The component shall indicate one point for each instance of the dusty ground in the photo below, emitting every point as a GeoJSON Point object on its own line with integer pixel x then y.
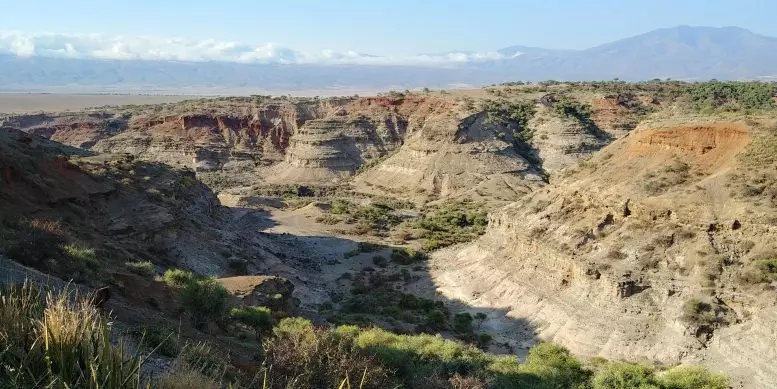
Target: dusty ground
{"type": "Point", "coordinates": [49, 102]}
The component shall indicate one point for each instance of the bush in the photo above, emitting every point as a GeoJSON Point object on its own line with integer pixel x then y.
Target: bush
{"type": "Point", "coordinates": [693, 377]}
{"type": "Point", "coordinates": [768, 267]}
{"type": "Point", "coordinates": [483, 341]}
{"type": "Point", "coordinates": [462, 323]}
{"type": "Point", "coordinates": [699, 313]}
{"type": "Point", "coordinates": [178, 278]}
{"type": "Point", "coordinates": [315, 358]}
{"type": "Point", "coordinates": [406, 256]}
{"type": "Point", "coordinates": [731, 96]}
{"type": "Point", "coordinates": [204, 299]}
{"type": "Point", "coordinates": [625, 376]}
{"type": "Point", "coordinates": [59, 341]}
{"type": "Point", "coordinates": [379, 261]}
{"type": "Point", "coordinates": [82, 255]}
{"type": "Point", "coordinates": [514, 117]}
{"type": "Point", "coordinates": [556, 367]}
{"type": "Point", "coordinates": [260, 319]}
{"type": "Point", "coordinates": [163, 340]}
{"type": "Point", "coordinates": [141, 268]}
{"type": "Point", "coordinates": [436, 320]}
{"type": "Point", "coordinates": [455, 223]}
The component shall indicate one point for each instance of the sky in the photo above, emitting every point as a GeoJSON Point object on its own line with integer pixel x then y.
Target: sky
{"type": "Point", "coordinates": [343, 29]}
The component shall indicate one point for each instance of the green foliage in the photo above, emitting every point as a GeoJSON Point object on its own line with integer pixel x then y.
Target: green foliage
{"type": "Point", "coordinates": [699, 313]}
{"type": "Point", "coordinates": [141, 268]}
{"type": "Point", "coordinates": [178, 278]}
{"type": "Point", "coordinates": [407, 256]}
{"type": "Point", "coordinates": [204, 299]}
{"type": "Point", "coordinates": [341, 207]}
{"type": "Point", "coordinates": [380, 261]}
{"type": "Point", "coordinates": [462, 323]}
{"type": "Point", "coordinates": [301, 356]}
{"type": "Point", "coordinates": [164, 340]}
{"type": "Point", "coordinates": [378, 215]}
{"type": "Point", "coordinates": [59, 341]}
{"type": "Point", "coordinates": [693, 377]}
{"type": "Point", "coordinates": [82, 255]}
{"type": "Point", "coordinates": [731, 96]}
{"type": "Point", "coordinates": [513, 117]}
{"type": "Point", "coordinates": [625, 376]}
{"type": "Point", "coordinates": [480, 317]}
{"type": "Point", "coordinates": [768, 267]}
{"type": "Point", "coordinates": [260, 319]}
{"type": "Point", "coordinates": [455, 223]}
{"type": "Point", "coordinates": [483, 341]}
{"type": "Point", "coordinates": [566, 106]}
{"type": "Point", "coordinates": [436, 320]}
{"type": "Point", "coordinates": [555, 367]}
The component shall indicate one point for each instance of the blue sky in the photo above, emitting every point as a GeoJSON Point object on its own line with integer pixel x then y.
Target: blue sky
{"type": "Point", "coordinates": [385, 27]}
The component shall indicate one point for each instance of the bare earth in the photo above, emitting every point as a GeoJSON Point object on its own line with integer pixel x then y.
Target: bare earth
{"type": "Point", "coordinates": [45, 102]}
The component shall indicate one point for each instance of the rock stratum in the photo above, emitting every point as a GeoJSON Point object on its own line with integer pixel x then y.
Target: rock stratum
{"type": "Point", "coordinates": [635, 234]}
{"type": "Point", "coordinates": [606, 259]}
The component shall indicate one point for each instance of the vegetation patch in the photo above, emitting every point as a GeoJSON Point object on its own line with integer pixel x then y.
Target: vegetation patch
{"type": "Point", "coordinates": [141, 268]}
{"type": "Point", "coordinates": [454, 223]}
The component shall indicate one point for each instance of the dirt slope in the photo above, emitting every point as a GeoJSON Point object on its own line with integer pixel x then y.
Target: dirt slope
{"type": "Point", "coordinates": [608, 260]}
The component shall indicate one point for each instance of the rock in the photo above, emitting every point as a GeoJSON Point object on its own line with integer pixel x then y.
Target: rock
{"type": "Point", "coordinates": [273, 292]}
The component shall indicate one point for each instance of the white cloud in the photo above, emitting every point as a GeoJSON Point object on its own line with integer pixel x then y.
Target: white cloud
{"type": "Point", "coordinates": [100, 46]}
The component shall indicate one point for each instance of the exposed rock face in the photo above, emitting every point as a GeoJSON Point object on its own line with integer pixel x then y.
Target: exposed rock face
{"type": "Point", "coordinates": [328, 149]}
{"type": "Point", "coordinates": [273, 292]}
{"type": "Point", "coordinates": [605, 261]}
{"type": "Point", "coordinates": [448, 154]}
{"type": "Point", "coordinates": [138, 210]}
{"type": "Point", "coordinates": [442, 149]}
{"type": "Point", "coordinates": [562, 142]}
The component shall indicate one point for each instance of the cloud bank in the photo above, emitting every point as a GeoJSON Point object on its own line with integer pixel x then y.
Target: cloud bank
{"type": "Point", "coordinates": [98, 46]}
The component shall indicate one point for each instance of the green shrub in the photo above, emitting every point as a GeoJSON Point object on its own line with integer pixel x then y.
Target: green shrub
{"type": "Point", "coordinates": [406, 256]}
{"type": "Point", "coordinates": [379, 261]}
{"type": "Point", "coordinates": [699, 313]}
{"type": "Point", "coordinates": [483, 341]}
{"type": "Point", "coordinates": [556, 367]}
{"type": "Point", "coordinates": [164, 340]}
{"type": "Point", "coordinates": [178, 278]}
{"type": "Point", "coordinates": [514, 117]}
{"type": "Point", "coordinates": [204, 299]}
{"type": "Point", "coordinates": [768, 267]}
{"type": "Point", "coordinates": [436, 320]}
{"type": "Point", "coordinates": [259, 319]}
{"type": "Point", "coordinates": [306, 357]}
{"type": "Point", "coordinates": [462, 323]}
{"type": "Point", "coordinates": [59, 341]}
{"type": "Point", "coordinates": [341, 207]}
{"type": "Point", "coordinates": [82, 255]}
{"type": "Point", "coordinates": [693, 377]}
{"type": "Point", "coordinates": [452, 224]}
{"type": "Point", "coordinates": [367, 247]}
{"type": "Point", "coordinates": [141, 268]}
{"type": "Point", "coordinates": [731, 96]}
{"type": "Point", "coordinates": [625, 376]}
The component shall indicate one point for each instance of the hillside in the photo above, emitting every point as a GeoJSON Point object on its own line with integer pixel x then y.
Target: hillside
{"type": "Point", "coordinates": [619, 221]}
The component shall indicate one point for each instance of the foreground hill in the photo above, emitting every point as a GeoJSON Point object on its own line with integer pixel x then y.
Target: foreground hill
{"type": "Point", "coordinates": [633, 222]}
{"type": "Point", "coordinates": [661, 246]}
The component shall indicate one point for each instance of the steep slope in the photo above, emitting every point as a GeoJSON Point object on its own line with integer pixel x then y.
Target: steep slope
{"type": "Point", "coordinates": [449, 152]}
{"type": "Point", "coordinates": [655, 249]}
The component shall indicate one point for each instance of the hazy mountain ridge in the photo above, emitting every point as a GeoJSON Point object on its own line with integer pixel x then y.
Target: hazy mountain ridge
{"type": "Point", "coordinates": [681, 52]}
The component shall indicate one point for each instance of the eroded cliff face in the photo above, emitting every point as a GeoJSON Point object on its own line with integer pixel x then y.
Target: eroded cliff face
{"type": "Point", "coordinates": [645, 251]}
{"type": "Point", "coordinates": [429, 146]}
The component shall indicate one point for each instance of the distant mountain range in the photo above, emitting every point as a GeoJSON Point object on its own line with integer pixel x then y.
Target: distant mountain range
{"type": "Point", "coordinates": [692, 53]}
